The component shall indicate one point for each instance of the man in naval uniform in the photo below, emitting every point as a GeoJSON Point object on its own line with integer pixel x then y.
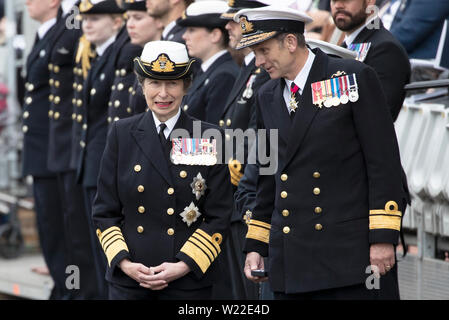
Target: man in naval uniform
{"type": "Point", "coordinates": [35, 129]}
{"type": "Point", "coordinates": [332, 211]}
{"type": "Point", "coordinates": [76, 229]}
{"type": "Point", "coordinates": [376, 47]}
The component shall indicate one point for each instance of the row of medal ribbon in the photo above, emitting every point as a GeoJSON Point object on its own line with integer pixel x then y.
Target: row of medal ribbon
{"type": "Point", "coordinates": [191, 151]}
{"type": "Point", "coordinates": [335, 91]}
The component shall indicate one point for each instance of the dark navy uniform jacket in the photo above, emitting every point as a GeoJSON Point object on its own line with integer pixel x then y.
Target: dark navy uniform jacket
{"type": "Point", "coordinates": [136, 98]}
{"type": "Point", "coordinates": [389, 59]}
{"type": "Point", "coordinates": [207, 97]}
{"type": "Point", "coordinates": [61, 96]}
{"type": "Point", "coordinates": [175, 34]}
{"type": "Point", "coordinates": [35, 110]}
{"type": "Point", "coordinates": [119, 102]}
{"type": "Point", "coordinates": [239, 111]}
{"type": "Point", "coordinates": [141, 195]}
{"type": "Point", "coordinates": [78, 106]}
{"type": "Point", "coordinates": [337, 188]}
{"type": "Point", "coordinates": [96, 94]}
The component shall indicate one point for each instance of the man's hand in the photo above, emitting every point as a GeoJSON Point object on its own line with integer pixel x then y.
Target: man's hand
{"type": "Point", "coordinates": [164, 273]}
{"type": "Point", "coordinates": [254, 261]}
{"type": "Point", "coordinates": [382, 257]}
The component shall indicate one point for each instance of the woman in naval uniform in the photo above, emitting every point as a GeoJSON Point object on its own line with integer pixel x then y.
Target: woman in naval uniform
{"type": "Point", "coordinates": [160, 224]}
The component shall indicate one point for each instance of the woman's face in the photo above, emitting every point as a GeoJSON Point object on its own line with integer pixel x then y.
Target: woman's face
{"type": "Point", "coordinates": [98, 28]}
{"type": "Point", "coordinates": [163, 97]}
{"type": "Point", "coordinates": [198, 41]}
{"type": "Point", "coordinates": [142, 28]}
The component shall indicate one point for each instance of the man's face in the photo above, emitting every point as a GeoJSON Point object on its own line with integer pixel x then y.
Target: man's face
{"type": "Point", "coordinates": [274, 57]}
{"type": "Point", "coordinates": [235, 33]}
{"type": "Point", "coordinates": [158, 8]}
{"type": "Point", "coordinates": [38, 9]}
{"type": "Point", "coordinates": [349, 14]}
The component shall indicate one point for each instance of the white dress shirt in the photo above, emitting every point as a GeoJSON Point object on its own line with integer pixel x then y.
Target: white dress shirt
{"type": "Point", "coordinates": [43, 28]}
{"type": "Point", "coordinates": [206, 64]}
{"type": "Point", "coordinates": [300, 79]}
{"type": "Point", "coordinates": [170, 123]}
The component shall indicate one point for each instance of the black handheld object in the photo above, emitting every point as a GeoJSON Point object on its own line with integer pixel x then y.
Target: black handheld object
{"type": "Point", "coordinates": [259, 273]}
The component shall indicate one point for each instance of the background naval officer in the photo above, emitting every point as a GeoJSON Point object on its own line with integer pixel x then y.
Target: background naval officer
{"type": "Point", "coordinates": [375, 46]}
{"type": "Point", "coordinates": [47, 200]}
{"type": "Point", "coordinates": [77, 237]}
{"type": "Point", "coordinates": [239, 113]}
{"type": "Point", "coordinates": [102, 24]}
{"type": "Point", "coordinates": [333, 208]}
{"type": "Point", "coordinates": [142, 28]}
{"type": "Point", "coordinates": [207, 39]}
{"type": "Point", "coordinates": [161, 224]}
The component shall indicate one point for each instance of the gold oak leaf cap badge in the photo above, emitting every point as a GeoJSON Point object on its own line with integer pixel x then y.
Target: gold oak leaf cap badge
{"type": "Point", "coordinates": [163, 64]}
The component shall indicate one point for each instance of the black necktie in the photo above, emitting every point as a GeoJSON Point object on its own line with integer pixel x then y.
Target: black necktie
{"type": "Point", "coordinates": [294, 100]}
{"type": "Point", "coordinates": [162, 138]}
{"type": "Point", "coordinates": [344, 45]}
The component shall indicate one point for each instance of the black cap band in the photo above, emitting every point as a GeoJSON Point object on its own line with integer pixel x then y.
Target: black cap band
{"type": "Point", "coordinates": [137, 6]}
{"type": "Point", "coordinates": [275, 25]}
{"type": "Point", "coordinates": [211, 20]}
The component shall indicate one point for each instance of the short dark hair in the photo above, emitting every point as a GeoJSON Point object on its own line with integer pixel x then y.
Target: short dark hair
{"type": "Point", "coordinates": [299, 37]}
{"type": "Point", "coordinates": [187, 81]}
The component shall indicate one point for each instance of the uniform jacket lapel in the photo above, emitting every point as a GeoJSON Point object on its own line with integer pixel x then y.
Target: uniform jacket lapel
{"type": "Point", "coordinates": [366, 34]}
{"type": "Point", "coordinates": [278, 112]}
{"type": "Point", "coordinates": [239, 84]}
{"type": "Point", "coordinates": [147, 139]}
{"type": "Point", "coordinates": [307, 111]}
{"type": "Point", "coordinates": [40, 45]}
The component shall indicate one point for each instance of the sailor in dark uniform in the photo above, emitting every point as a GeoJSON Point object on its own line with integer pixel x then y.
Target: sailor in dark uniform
{"type": "Point", "coordinates": [239, 113]}
{"type": "Point", "coordinates": [207, 39]}
{"type": "Point", "coordinates": [76, 229]}
{"type": "Point", "coordinates": [35, 129]}
{"type": "Point", "coordinates": [332, 209]}
{"type": "Point", "coordinates": [142, 28]}
{"type": "Point", "coordinates": [169, 12]}
{"type": "Point", "coordinates": [102, 26]}
{"type": "Point", "coordinates": [118, 105]}
{"type": "Point", "coordinates": [376, 47]}
{"type": "Point", "coordinates": [162, 210]}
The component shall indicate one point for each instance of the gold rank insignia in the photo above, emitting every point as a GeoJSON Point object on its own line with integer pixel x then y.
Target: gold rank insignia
{"type": "Point", "coordinates": [338, 74]}
{"type": "Point", "coordinates": [190, 214]}
{"type": "Point", "coordinates": [162, 64]}
{"type": "Point", "coordinates": [85, 5]}
{"type": "Point", "coordinates": [246, 26]}
{"type": "Point", "coordinates": [231, 3]}
{"type": "Point", "coordinates": [198, 186]}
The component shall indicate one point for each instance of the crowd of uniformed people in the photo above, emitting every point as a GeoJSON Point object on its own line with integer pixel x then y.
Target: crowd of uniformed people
{"type": "Point", "coordinates": [147, 214]}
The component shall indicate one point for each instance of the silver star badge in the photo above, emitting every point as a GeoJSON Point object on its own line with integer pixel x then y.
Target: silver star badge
{"type": "Point", "coordinates": [190, 214]}
{"type": "Point", "coordinates": [198, 186]}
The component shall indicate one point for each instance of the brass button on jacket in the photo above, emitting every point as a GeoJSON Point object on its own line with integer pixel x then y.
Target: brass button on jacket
{"type": "Point", "coordinates": [141, 209]}
{"type": "Point", "coordinates": [139, 229]}
{"type": "Point", "coordinates": [141, 188]}
{"type": "Point", "coordinates": [318, 227]}
{"type": "Point", "coordinates": [170, 232]}
{"type": "Point", "coordinates": [285, 213]}
{"type": "Point", "coordinates": [316, 191]}
{"type": "Point", "coordinates": [318, 210]}
{"type": "Point", "coordinates": [183, 174]}
{"type": "Point", "coordinates": [284, 194]}
{"type": "Point", "coordinates": [170, 211]}
{"type": "Point", "coordinates": [137, 168]}
{"type": "Point", "coordinates": [286, 230]}
{"type": "Point", "coordinates": [316, 175]}
{"type": "Point", "coordinates": [170, 191]}
{"type": "Point", "coordinates": [284, 177]}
